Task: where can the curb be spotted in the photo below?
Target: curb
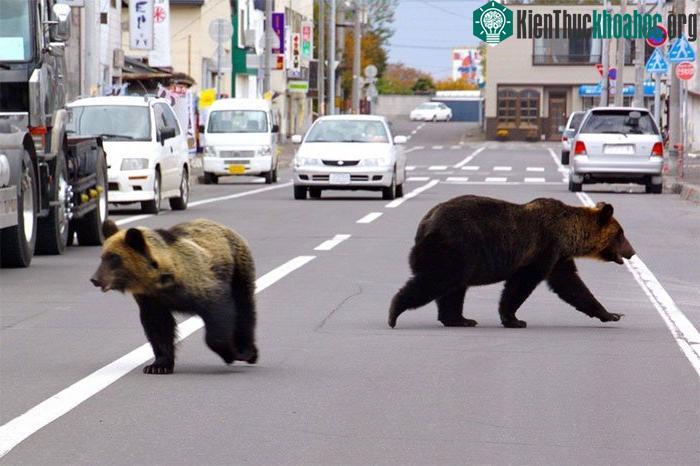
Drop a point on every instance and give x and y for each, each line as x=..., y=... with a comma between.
x=688, y=192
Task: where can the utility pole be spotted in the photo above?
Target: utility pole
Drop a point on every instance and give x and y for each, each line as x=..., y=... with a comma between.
x=605, y=91
x=321, y=54
x=92, y=48
x=638, y=100
x=331, y=60
x=356, y=56
x=657, y=78
x=268, y=46
x=675, y=127
x=620, y=79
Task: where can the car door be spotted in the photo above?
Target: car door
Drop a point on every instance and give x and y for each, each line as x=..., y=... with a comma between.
x=399, y=155
x=169, y=175
x=179, y=143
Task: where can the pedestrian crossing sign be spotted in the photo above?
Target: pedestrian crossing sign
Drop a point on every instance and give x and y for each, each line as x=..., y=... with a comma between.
x=681, y=51
x=657, y=63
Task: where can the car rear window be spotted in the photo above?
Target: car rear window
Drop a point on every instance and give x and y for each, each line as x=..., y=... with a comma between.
x=576, y=120
x=619, y=122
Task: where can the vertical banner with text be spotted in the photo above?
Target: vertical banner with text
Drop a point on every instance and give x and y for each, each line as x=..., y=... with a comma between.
x=160, y=55
x=307, y=41
x=141, y=24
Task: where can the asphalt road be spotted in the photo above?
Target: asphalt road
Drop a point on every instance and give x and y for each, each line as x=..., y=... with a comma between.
x=334, y=384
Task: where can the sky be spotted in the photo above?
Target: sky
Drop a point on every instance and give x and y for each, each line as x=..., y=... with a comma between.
x=428, y=30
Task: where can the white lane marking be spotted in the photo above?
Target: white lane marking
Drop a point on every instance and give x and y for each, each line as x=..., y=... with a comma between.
x=535, y=169
x=412, y=194
x=496, y=179
x=457, y=178
x=23, y=426
x=369, y=218
x=505, y=183
x=457, y=147
x=437, y=147
x=683, y=331
x=469, y=158
x=413, y=148
x=437, y=167
x=136, y=218
x=331, y=243
x=563, y=170
x=410, y=168
x=418, y=178
x=534, y=180
x=471, y=167
x=502, y=169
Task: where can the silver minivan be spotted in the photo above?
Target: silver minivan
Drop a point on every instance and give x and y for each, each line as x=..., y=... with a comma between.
x=617, y=145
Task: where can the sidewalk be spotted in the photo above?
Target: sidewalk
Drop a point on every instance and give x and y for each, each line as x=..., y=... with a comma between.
x=689, y=185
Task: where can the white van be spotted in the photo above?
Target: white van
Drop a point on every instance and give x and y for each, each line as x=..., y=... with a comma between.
x=240, y=138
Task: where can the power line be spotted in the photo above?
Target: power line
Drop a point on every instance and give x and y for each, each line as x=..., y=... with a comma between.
x=427, y=47
x=444, y=10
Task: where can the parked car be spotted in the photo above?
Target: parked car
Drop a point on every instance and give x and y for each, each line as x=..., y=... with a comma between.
x=567, y=134
x=147, y=153
x=240, y=139
x=617, y=145
x=349, y=152
x=431, y=111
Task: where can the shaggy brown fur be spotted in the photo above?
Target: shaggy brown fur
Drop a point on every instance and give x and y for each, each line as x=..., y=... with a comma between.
x=472, y=240
x=199, y=267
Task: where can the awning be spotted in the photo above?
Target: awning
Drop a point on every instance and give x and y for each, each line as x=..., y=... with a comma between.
x=594, y=90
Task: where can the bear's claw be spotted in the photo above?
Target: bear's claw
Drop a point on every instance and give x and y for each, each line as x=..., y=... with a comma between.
x=514, y=323
x=157, y=369
x=612, y=317
x=460, y=323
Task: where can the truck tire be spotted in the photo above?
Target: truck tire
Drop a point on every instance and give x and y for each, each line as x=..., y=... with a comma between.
x=89, y=228
x=52, y=236
x=17, y=243
x=153, y=207
x=180, y=203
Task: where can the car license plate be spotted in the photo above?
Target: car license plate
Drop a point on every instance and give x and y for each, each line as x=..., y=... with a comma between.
x=618, y=149
x=339, y=178
x=236, y=169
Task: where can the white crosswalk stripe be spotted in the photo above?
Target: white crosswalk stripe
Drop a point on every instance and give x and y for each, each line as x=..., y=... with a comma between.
x=437, y=167
x=496, y=179
x=534, y=180
x=471, y=168
x=502, y=169
x=535, y=169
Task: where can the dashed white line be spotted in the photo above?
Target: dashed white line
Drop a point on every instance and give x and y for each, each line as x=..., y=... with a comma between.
x=457, y=178
x=412, y=194
x=502, y=169
x=469, y=158
x=563, y=170
x=457, y=147
x=418, y=178
x=23, y=426
x=535, y=169
x=369, y=218
x=496, y=179
x=534, y=180
x=437, y=147
x=410, y=168
x=471, y=168
x=331, y=243
x=437, y=167
x=684, y=332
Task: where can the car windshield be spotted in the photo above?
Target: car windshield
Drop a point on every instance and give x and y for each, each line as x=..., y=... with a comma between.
x=111, y=121
x=348, y=131
x=237, y=121
x=576, y=120
x=15, y=33
x=427, y=106
x=619, y=122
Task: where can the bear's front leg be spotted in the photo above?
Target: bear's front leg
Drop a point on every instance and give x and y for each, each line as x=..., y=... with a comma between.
x=159, y=325
x=515, y=292
x=450, y=309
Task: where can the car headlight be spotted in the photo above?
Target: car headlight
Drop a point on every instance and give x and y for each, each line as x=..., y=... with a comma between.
x=375, y=162
x=306, y=161
x=209, y=151
x=134, y=164
x=264, y=150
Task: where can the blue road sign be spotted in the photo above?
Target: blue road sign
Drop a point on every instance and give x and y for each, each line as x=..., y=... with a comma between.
x=681, y=51
x=657, y=63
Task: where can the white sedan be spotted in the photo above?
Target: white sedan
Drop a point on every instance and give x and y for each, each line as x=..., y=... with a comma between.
x=349, y=152
x=431, y=111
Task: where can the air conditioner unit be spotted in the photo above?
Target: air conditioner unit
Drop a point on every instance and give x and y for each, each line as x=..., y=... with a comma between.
x=118, y=58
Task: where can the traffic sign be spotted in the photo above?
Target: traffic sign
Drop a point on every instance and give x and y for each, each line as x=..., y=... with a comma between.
x=681, y=51
x=657, y=63
x=370, y=71
x=685, y=70
x=657, y=36
x=220, y=30
x=599, y=67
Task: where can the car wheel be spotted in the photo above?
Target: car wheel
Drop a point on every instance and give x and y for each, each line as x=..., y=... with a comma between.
x=153, y=206
x=274, y=175
x=389, y=193
x=180, y=203
x=17, y=243
x=654, y=188
x=269, y=177
x=315, y=193
x=300, y=192
x=52, y=235
x=565, y=157
x=89, y=228
x=210, y=178
x=399, y=190
x=575, y=187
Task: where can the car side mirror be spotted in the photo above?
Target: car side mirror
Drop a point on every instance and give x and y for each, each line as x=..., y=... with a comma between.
x=60, y=24
x=166, y=133
x=296, y=139
x=275, y=128
x=400, y=140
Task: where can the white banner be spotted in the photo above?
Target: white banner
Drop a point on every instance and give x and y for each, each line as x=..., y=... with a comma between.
x=141, y=24
x=160, y=55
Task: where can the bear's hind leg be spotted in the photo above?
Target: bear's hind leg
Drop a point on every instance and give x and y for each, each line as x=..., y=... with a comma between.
x=515, y=292
x=243, y=291
x=450, y=309
x=418, y=291
x=159, y=325
x=219, y=332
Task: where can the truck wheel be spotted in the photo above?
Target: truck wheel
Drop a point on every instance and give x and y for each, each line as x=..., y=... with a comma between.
x=153, y=207
x=180, y=203
x=575, y=187
x=18, y=242
x=89, y=228
x=210, y=178
x=53, y=229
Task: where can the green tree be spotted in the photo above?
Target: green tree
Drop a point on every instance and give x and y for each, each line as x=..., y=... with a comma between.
x=423, y=85
x=380, y=15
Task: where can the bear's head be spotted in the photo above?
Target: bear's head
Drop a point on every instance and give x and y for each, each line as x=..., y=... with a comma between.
x=611, y=245
x=130, y=264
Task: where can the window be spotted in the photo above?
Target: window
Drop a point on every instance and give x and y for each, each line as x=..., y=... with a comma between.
x=619, y=122
x=170, y=118
x=364, y=131
x=577, y=49
x=237, y=121
x=15, y=31
x=518, y=108
x=110, y=121
x=507, y=106
x=529, y=107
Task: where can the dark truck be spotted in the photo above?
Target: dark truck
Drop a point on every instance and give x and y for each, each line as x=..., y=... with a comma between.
x=52, y=185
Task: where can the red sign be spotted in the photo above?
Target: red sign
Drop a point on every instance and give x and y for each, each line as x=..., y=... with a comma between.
x=599, y=67
x=657, y=36
x=685, y=70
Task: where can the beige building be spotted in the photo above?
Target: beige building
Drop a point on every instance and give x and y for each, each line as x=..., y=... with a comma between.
x=532, y=85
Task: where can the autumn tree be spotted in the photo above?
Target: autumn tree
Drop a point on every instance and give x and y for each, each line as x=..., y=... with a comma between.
x=372, y=54
x=399, y=79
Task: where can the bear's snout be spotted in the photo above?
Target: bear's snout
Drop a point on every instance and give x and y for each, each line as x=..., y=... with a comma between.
x=95, y=280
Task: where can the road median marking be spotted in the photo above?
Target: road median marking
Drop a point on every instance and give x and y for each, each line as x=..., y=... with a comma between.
x=683, y=331
x=23, y=426
x=469, y=158
x=331, y=243
x=412, y=194
x=371, y=217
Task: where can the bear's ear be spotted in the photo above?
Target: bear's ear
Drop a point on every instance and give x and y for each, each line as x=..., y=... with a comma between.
x=605, y=213
x=109, y=228
x=134, y=239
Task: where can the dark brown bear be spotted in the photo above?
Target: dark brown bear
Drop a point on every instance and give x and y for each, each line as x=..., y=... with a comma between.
x=198, y=268
x=471, y=240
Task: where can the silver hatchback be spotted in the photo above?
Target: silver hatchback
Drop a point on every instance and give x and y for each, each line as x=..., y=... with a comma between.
x=617, y=145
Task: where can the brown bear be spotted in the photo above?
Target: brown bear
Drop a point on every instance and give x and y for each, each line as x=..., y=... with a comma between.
x=198, y=268
x=472, y=240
